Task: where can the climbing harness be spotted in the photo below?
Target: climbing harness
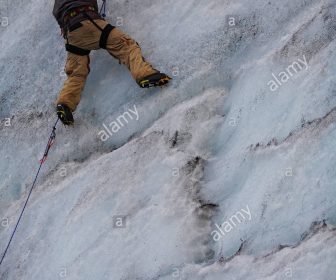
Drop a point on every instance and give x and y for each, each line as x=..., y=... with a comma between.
x=44, y=158
x=105, y=32
x=77, y=11
x=76, y=50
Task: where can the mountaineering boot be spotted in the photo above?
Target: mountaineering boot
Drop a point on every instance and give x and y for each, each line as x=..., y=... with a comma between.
x=65, y=115
x=154, y=80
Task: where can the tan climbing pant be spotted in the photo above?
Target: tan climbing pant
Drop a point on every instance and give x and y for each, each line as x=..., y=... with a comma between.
x=119, y=45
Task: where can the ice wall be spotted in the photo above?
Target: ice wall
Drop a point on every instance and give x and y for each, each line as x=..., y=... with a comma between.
x=248, y=123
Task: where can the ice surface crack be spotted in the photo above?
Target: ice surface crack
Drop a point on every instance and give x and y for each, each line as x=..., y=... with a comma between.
x=307, y=127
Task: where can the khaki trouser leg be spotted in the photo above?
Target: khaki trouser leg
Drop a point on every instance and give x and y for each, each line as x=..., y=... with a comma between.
x=124, y=48
x=119, y=45
x=77, y=70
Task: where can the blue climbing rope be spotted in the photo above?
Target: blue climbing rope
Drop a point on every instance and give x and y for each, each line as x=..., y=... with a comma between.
x=44, y=158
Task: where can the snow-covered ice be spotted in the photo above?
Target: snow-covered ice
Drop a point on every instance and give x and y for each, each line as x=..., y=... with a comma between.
x=213, y=142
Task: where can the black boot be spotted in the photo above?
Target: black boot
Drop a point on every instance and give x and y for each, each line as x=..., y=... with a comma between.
x=65, y=115
x=154, y=80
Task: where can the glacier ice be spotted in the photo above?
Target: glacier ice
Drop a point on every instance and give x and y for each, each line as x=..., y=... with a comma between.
x=216, y=140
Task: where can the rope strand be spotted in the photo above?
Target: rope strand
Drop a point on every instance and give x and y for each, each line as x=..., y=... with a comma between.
x=102, y=11
x=50, y=143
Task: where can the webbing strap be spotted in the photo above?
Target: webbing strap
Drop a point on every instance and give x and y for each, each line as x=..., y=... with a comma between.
x=104, y=36
x=105, y=32
x=76, y=50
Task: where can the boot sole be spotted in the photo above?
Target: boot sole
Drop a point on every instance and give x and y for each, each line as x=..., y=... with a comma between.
x=162, y=82
x=61, y=114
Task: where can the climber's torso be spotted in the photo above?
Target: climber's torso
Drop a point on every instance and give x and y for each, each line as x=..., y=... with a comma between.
x=61, y=7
